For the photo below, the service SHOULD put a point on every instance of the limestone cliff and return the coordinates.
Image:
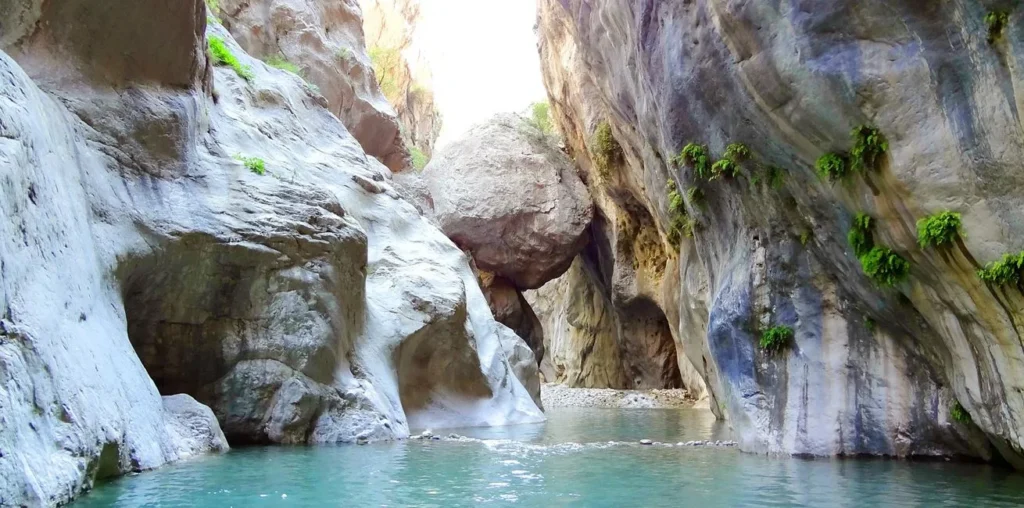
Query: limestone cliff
(761, 239)
(324, 43)
(177, 217)
(402, 72)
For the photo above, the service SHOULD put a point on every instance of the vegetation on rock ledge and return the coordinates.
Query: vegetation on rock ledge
(605, 148)
(419, 159)
(884, 266)
(832, 167)
(680, 224)
(776, 338)
(860, 236)
(737, 152)
(223, 56)
(868, 147)
(540, 113)
(696, 156)
(959, 414)
(279, 62)
(724, 167)
(1008, 271)
(996, 22)
(939, 230)
(254, 164)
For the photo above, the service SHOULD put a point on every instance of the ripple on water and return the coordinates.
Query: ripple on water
(579, 458)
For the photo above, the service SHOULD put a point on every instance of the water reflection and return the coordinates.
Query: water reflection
(565, 462)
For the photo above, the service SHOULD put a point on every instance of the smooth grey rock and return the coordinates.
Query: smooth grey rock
(523, 362)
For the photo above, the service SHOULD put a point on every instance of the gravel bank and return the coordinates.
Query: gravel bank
(554, 395)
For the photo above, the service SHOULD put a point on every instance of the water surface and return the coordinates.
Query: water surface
(566, 461)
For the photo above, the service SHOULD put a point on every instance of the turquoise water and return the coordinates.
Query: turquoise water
(565, 462)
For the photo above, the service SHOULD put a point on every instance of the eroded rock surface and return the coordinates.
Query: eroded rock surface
(870, 371)
(505, 193)
(325, 42)
(132, 238)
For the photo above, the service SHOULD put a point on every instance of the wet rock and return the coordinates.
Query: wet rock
(646, 442)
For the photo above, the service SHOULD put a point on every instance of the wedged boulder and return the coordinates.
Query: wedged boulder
(505, 193)
(324, 41)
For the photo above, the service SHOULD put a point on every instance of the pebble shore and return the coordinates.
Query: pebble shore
(554, 395)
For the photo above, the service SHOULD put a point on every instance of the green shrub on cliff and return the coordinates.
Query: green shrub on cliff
(1008, 271)
(680, 224)
(884, 266)
(223, 56)
(419, 159)
(696, 196)
(775, 176)
(868, 147)
(605, 149)
(860, 236)
(996, 22)
(959, 414)
(279, 62)
(737, 152)
(254, 164)
(939, 230)
(776, 338)
(541, 117)
(724, 167)
(832, 167)
(696, 156)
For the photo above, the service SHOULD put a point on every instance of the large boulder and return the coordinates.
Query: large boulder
(506, 193)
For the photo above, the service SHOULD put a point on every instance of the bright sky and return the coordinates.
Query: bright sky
(483, 54)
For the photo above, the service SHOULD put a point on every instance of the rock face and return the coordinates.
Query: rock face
(511, 309)
(301, 299)
(869, 370)
(403, 71)
(507, 195)
(324, 41)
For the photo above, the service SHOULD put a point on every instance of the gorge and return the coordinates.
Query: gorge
(230, 225)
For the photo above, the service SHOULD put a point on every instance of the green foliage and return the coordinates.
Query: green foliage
(212, 10)
(805, 237)
(868, 147)
(724, 167)
(884, 266)
(419, 159)
(343, 53)
(939, 230)
(696, 196)
(959, 414)
(776, 338)
(223, 56)
(541, 113)
(1007, 271)
(860, 235)
(832, 166)
(254, 164)
(869, 324)
(605, 149)
(737, 152)
(775, 176)
(696, 156)
(279, 62)
(996, 22)
(387, 64)
(680, 224)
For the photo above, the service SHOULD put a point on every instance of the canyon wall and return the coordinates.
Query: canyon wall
(181, 222)
(869, 369)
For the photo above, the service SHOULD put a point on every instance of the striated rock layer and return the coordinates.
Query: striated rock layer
(300, 298)
(870, 370)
